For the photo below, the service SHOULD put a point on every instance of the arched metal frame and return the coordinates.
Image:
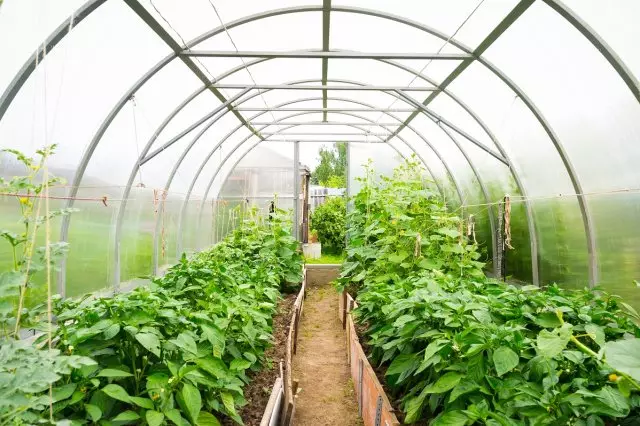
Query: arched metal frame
(390, 115)
(608, 53)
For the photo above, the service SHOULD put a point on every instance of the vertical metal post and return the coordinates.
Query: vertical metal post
(296, 190)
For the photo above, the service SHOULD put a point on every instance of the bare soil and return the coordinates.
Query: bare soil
(326, 394)
(257, 392)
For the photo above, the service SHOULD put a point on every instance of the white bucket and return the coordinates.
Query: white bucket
(312, 250)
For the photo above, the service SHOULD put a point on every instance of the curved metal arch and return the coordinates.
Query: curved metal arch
(531, 226)
(584, 208)
(174, 170)
(391, 93)
(236, 147)
(59, 33)
(452, 176)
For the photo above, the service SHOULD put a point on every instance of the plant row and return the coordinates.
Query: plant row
(178, 351)
(458, 348)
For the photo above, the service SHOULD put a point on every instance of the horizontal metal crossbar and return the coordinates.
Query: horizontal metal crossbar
(325, 134)
(330, 54)
(323, 87)
(323, 140)
(323, 123)
(310, 109)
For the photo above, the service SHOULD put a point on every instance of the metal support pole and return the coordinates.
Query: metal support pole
(331, 54)
(296, 190)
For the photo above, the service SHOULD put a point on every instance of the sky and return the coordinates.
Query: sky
(78, 84)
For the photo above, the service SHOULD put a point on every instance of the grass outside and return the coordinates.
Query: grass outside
(326, 259)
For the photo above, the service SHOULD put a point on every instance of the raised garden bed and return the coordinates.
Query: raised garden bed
(374, 405)
(279, 408)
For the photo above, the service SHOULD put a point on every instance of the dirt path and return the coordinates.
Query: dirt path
(326, 396)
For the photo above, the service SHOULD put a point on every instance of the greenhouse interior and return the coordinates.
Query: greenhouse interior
(341, 212)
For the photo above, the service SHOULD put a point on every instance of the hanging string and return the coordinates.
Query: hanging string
(507, 222)
(521, 199)
(471, 228)
(132, 99)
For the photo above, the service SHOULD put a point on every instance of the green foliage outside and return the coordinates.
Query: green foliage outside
(331, 172)
(326, 259)
(329, 221)
(177, 352)
(461, 349)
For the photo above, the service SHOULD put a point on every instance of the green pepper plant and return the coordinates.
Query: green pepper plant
(458, 348)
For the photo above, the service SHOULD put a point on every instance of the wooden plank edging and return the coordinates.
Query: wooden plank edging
(272, 405)
(356, 356)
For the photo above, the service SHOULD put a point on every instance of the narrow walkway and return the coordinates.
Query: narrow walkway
(326, 396)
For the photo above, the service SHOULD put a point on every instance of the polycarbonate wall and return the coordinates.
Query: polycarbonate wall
(550, 108)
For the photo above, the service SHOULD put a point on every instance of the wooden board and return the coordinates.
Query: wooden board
(272, 409)
(368, 389)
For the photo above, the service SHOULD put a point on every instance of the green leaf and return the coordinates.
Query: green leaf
(190, 401)
(451, 418)
(186, 342)
(465, 386)
(624, 386)
(142, 402)
(214, 366)
(94, 412)
(413, 408)
(111, 372)
(150, 342)
(505, 360)
(63, 392)
(126, 417)
(116, 392)
(449, 232)
(551, 343)
(476, 367)
(574, 356)
(216, 337)
(596, 333)
(229, 403)
(613, 403)
(173, 414)
(401, 363)
(398, 257)
(207, 419)
(446, 382)
(624, 356)
(111, 332)
(154, 418)
(240, 364)
(548, 320)
(10, 283)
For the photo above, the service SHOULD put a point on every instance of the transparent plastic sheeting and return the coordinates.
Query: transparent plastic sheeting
(553, 114)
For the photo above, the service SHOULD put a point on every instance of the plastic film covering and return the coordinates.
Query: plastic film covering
(177, 170)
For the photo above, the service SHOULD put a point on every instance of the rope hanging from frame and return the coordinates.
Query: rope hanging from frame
(507, 222)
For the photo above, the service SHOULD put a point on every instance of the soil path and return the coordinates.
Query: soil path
(326, 396)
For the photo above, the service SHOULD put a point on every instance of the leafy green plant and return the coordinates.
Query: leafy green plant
(460, 349)
(329, 221)
(17, 284)
(28, 373)
(180, 350)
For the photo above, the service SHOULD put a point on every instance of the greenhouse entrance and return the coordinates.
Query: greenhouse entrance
(176, 177)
